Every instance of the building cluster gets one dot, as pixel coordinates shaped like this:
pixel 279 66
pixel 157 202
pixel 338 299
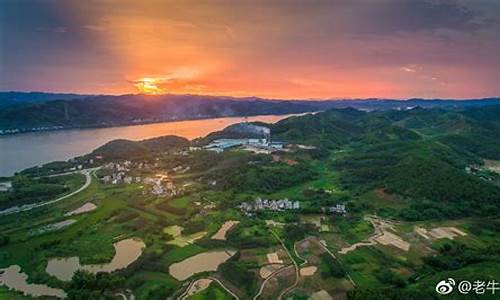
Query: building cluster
pixel 337 209
pixel 120 167
pixel 120 170
pixel 162 186
pixel 119 174
pixel 265 204
pixel 128 165
pixel 472 169
pixel 120 177
pixel 478 171
pixel 34 129
pixel 262 145
pixel 6 186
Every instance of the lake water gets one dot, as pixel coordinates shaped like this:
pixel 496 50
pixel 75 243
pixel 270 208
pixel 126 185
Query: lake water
pixel 126 252
pixel 203 262
pixel 18 152
pixel 13 278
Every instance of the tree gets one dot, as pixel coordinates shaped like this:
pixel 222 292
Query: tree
pixel 86 285
pixel 4 240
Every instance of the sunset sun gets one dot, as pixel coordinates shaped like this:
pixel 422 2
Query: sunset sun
pixel 148 86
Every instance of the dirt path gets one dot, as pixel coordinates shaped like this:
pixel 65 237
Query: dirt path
pixel 323 246
pixel 371 240
pixel 294 265
pixel 88 180
pixel 261 289
pixel 185 294
pixel 225 288
pixel 380 227
pixel 304 260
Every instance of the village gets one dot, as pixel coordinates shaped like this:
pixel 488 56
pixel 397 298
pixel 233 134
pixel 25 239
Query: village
pixel 160 184
pixel 272 205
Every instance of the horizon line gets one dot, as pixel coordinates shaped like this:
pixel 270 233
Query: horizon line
pixel 258 97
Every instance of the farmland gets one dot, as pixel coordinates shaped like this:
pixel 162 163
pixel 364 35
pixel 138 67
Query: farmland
pixel 374 216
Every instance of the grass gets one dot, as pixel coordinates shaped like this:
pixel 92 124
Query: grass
pixel 181 202
pixel 327 179
pixel 483 271
pixel 88 238
pixel 92 237
pixel 353 230
pixel 31 190
pixel 147 283
pixel 214 291
pixel 178 254
pixel 11 295
pixel 362 263
pixel 182 240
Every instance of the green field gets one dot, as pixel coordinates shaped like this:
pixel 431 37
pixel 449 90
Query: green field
pixel 379 165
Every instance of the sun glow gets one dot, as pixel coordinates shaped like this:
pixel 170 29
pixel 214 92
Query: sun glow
pixel 148 86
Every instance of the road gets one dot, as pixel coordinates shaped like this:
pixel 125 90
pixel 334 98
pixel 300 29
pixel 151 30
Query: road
pixel 304 261
pixel 225 288
pixel 297 274
pixel 261 289
pixel 184 294
pixel 88 179
pixel 323 245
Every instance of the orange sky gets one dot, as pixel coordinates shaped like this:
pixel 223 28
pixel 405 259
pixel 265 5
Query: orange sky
pixel 278 49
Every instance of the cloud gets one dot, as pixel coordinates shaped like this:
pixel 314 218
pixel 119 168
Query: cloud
pixel 93 27
pixel 408 69
pixel 57 29
pixel 292 49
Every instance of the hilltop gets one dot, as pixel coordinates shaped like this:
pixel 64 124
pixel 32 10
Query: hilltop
pixel 24 112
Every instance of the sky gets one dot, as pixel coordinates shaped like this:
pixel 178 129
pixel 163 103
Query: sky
pixel 285 49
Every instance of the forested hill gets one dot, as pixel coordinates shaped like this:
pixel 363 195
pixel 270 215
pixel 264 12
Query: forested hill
pixel 21 112
pixel 421 154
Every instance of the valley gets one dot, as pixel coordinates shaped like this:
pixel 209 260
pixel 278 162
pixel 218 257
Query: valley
pixel 339 204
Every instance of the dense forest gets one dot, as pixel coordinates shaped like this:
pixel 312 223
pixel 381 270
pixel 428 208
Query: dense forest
pixel 420 154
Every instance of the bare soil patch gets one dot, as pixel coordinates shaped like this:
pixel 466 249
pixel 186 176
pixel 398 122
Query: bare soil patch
pixel 321 295
pixel 439 233
pixel 388 238
pixel 273 258
pixel 308 271
pixel 197 286
pixel 267 270
pixel 221 233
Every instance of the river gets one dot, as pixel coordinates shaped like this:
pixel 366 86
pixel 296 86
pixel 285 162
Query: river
pixel 18 152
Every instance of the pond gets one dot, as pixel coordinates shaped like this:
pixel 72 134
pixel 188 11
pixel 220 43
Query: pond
pixel 13 278
pixel 127 251
pixel 203 262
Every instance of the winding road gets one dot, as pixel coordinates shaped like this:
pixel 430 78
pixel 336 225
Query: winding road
pixel 224 287
pixel 323 245
pixel 294 264
pixel 185 295
pixel 88 179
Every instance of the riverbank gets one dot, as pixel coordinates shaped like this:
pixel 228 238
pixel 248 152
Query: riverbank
pixel 18 131
pixel 31 149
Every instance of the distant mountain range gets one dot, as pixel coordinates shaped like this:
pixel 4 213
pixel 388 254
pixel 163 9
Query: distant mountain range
pixel 36 111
